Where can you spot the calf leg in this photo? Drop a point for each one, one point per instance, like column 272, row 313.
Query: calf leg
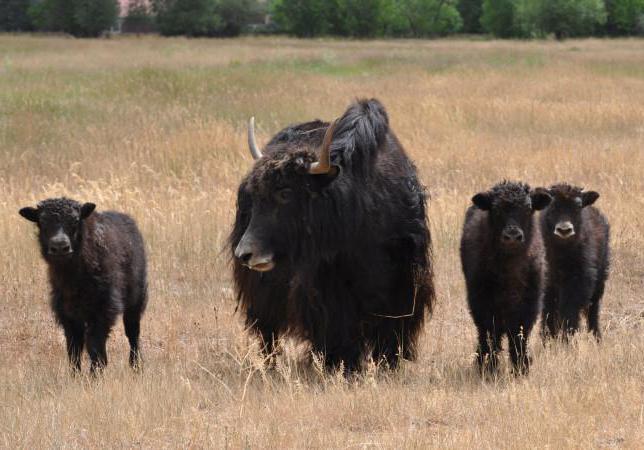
column 132, row 324
column 488, row 350
column 518, row 342
column 593, row 310
column 75, row 337
column 97, row 334
column 550, row 320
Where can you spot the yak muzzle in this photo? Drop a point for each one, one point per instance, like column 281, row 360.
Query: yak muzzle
column 512, row 235
column 59, row 245
column 564, row 230
column 261, row 262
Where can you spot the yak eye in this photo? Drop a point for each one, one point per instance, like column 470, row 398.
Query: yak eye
column 578, row 202
column 284, row 195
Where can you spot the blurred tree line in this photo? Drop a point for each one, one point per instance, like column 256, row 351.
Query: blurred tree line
column 351, row 18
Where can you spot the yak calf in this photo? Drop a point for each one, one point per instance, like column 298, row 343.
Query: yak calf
column 97, row 270
column 576, row 240
column 503, row 262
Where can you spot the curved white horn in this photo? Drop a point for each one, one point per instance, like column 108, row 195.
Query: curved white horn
column 252, row 143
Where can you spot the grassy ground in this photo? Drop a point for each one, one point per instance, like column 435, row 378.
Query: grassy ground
column 155, row 127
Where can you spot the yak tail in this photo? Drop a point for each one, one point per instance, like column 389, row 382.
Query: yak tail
column 360, row 132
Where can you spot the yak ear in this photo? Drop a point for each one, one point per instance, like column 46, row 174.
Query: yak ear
column 540, row 199
column 87, row 209
column 29, row 213
column 588, row 198
column 483, row 200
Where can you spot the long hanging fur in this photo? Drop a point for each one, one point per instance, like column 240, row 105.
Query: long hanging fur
column 356, row 277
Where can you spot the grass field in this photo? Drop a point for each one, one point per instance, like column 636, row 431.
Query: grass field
column 156, row 127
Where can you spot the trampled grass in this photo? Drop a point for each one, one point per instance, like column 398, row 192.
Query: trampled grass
column 156, row 127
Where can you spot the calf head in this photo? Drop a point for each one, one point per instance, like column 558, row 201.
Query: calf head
column 510, row 208
column 60, row 225
column 563, row 218
column 274, row 201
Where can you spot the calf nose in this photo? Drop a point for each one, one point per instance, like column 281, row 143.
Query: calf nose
column 564, row 229
column 59, row 246
column 513, row 234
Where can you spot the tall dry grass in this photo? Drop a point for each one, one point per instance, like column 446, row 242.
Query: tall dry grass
column 155, row 127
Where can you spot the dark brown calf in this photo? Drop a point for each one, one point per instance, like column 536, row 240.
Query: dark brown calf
column 97, row 270
column 576, row 238
column 503, row 263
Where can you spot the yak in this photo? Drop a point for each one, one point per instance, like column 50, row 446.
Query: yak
column 331, row 243
column 97, row 270
column 576, row 238
column 504, row 266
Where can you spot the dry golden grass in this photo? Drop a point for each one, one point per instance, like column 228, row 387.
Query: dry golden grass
column 155, row 127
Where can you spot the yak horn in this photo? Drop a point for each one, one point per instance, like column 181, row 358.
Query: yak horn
column 323, row 166
column 252, row 142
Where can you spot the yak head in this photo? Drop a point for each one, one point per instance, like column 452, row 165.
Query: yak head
column 60, row 225
column 510, row 208
column 563, row 220
column 275, row 201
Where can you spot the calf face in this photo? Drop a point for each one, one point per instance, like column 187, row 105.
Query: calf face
column 510, row 207
column 59, row 226
column 563, row 219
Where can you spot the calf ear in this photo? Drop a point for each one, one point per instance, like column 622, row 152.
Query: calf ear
column 483, row 200
column 540, row 199
column 29, row 213
column 588, row 198
column 87, row 209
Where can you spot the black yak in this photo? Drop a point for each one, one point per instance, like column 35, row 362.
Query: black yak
column 97, row 270
column 331, row 243
column 576, row 239
column 503, row 263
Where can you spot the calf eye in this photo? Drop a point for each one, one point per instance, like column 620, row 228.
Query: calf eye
column 284, row 195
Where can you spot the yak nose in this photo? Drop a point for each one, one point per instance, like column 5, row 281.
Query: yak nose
column 512, row 235
column 255, row 261
column 243, row 253
column 59, row 245
column 564, row 229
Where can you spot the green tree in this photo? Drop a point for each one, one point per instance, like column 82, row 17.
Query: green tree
column 470, row 11
column 235, row 14
column 363, row 18
column 430, row 17
column 14, row 15
column 53, row 15
column 624, row 16
column 569, row 18
column 92, row 17
column 83, row 18
column 305, row 18
column 139, row 18
column 187, row 17
column 498, row 17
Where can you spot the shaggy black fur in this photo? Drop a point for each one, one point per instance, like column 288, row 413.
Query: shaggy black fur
column 503, row 262
column 578, row 260
column 352, row 251
column 97, row 270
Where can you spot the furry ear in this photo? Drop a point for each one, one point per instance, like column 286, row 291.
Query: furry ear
column 86, row 210
column 540, row 199
column 483, row 200
column 588, row 198
column 29, row 213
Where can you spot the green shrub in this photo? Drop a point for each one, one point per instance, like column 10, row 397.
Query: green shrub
column 14, row 15
column 625, row 17
column 498, row 17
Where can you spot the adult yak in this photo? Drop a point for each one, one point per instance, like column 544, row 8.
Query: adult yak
column 331, row 243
